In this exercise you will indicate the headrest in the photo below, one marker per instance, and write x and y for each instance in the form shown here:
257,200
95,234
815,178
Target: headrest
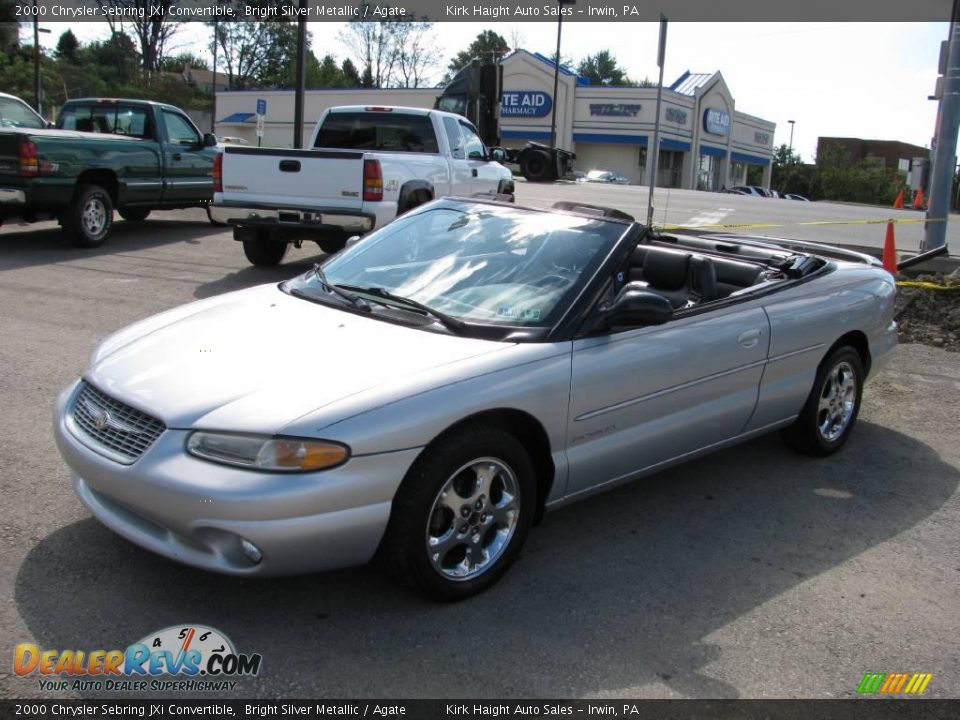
664,269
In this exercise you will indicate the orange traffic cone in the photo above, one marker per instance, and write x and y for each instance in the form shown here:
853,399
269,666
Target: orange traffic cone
890,252
898,203
918,199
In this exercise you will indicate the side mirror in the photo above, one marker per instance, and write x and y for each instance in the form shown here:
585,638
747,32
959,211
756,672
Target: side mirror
498,154
51,125
352,240
634,306
209,139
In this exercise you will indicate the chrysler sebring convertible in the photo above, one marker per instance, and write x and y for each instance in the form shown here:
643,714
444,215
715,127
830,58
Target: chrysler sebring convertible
428,393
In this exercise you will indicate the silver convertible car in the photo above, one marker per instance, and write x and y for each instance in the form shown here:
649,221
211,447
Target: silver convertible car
429,392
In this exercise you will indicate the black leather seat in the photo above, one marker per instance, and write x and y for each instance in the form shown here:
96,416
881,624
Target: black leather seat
678,276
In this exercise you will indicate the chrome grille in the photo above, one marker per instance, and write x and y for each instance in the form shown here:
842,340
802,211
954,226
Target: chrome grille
113,426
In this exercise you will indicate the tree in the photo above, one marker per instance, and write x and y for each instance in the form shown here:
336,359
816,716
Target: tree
257,54
67,47
9,27
373,44
487,46
602,69
417,52
184,60
153,29
350,73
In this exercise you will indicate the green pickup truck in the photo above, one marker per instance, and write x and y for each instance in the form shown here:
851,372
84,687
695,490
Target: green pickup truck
104,154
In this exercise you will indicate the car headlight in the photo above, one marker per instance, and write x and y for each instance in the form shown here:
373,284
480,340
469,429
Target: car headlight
260,452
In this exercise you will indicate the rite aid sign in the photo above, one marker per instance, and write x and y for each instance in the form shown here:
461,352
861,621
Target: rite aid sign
716,121
525,103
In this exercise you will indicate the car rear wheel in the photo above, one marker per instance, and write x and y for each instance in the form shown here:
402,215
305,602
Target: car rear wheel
264,251
134,214
831,409
462,514
89,217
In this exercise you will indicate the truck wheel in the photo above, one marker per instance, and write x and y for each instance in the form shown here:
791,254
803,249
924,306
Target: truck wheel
90,216
264,251
536,167
332,246
134,214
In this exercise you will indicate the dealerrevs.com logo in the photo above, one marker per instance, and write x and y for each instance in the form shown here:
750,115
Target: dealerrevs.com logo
177,658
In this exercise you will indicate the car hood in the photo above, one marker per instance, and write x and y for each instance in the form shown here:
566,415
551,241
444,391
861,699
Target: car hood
258,359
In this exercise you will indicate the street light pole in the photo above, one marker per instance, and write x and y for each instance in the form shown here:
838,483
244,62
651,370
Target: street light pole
556,72
791,135
36,61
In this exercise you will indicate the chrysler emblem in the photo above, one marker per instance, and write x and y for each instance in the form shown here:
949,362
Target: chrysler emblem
102,418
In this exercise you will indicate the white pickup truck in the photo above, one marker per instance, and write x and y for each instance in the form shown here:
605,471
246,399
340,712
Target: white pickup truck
365,166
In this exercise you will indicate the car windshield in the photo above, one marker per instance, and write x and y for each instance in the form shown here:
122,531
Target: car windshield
14,113
478,263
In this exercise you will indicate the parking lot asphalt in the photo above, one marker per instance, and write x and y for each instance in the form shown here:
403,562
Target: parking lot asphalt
750,573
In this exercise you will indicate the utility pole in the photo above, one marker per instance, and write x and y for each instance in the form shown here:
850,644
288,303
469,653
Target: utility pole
791,135
213,112
653,153
948,123
301,62
37,88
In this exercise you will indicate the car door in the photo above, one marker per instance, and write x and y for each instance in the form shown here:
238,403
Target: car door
645,396
484,174
461,176
187,163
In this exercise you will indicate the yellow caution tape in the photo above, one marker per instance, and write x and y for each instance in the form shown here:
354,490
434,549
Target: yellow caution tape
925,285
741,226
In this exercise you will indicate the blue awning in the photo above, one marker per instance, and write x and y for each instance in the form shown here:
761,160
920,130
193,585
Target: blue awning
524,135
238,117
670,144
749,159
711,150
610,139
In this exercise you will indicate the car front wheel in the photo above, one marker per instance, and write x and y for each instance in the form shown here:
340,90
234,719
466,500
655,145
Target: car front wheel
462,514
831,410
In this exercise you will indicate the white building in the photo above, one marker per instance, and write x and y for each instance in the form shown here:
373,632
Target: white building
705,142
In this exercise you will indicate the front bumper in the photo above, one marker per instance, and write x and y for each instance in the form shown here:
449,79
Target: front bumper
198,512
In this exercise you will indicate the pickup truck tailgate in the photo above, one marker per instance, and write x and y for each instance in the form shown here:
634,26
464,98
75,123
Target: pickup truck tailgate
293,178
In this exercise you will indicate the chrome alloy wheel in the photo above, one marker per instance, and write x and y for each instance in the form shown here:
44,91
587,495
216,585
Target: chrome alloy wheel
838,399
473,519
93,216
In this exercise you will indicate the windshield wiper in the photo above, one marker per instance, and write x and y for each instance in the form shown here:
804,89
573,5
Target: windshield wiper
448,321
329,287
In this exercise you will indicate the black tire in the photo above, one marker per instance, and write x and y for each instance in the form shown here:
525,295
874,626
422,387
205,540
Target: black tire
536,167
332,245
823,425
418,511
264,251
89,218
134,214
215,223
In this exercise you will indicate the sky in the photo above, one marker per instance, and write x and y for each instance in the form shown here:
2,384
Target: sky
868,80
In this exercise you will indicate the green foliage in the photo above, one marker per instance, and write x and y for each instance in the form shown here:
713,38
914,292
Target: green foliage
835,177
181,61
67,46
350,73
602,69
486,46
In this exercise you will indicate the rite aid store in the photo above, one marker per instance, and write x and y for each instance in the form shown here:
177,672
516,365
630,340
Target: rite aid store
705,143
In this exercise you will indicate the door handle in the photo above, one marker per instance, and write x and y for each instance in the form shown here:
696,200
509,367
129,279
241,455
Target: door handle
474,172
750,338
289,166
176,156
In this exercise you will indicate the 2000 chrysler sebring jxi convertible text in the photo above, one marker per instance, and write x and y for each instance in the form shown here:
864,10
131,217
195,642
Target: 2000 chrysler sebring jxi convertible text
428,392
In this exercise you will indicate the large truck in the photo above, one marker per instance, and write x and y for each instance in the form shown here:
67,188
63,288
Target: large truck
475,93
